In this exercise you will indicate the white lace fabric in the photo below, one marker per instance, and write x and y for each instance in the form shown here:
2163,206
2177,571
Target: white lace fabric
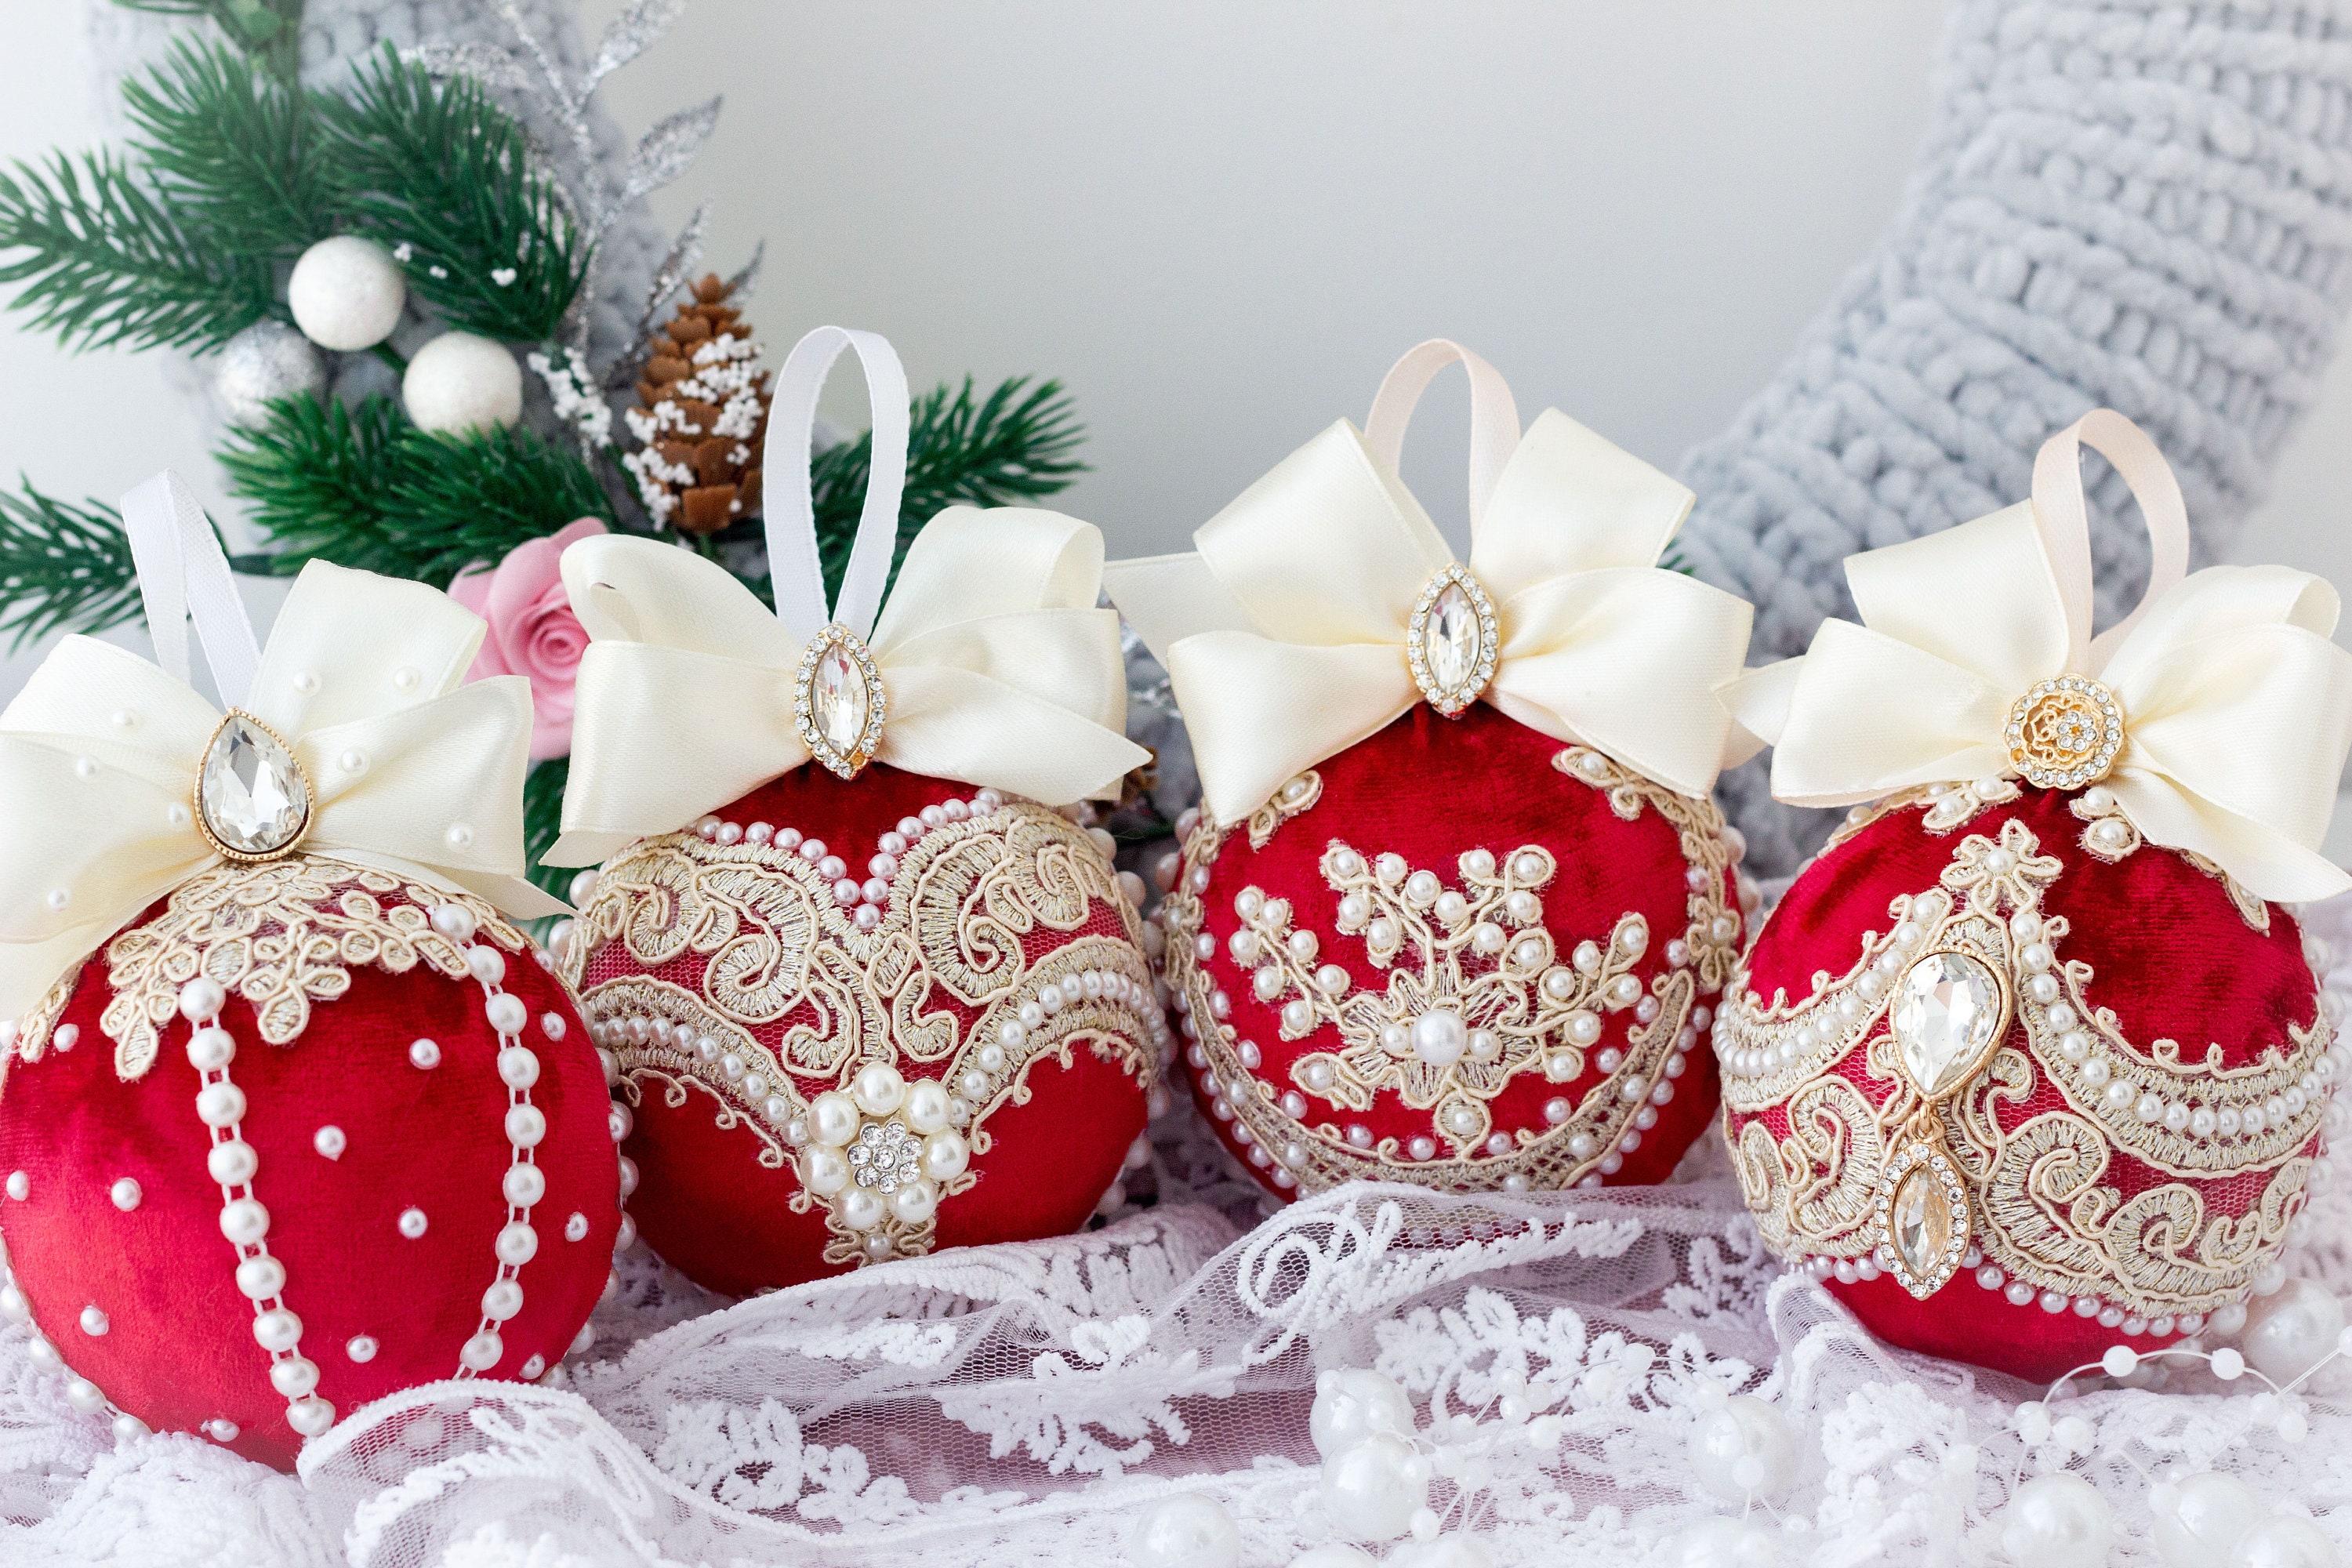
1022,1403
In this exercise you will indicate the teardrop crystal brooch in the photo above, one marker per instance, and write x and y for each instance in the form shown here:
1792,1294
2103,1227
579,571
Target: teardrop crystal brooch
1949,1012
253,800
841,702
1451,644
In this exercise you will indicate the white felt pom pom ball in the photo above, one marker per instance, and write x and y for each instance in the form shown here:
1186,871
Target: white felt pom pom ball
346,293
460,382
269,360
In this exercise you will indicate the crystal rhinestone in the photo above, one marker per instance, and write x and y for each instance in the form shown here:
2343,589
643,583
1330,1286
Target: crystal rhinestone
251,791
1948,1006
1452,639
1920,1216
842,699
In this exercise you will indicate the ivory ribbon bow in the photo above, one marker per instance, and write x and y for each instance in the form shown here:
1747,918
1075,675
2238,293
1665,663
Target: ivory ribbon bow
2237,709
410,770
996,668
1285,635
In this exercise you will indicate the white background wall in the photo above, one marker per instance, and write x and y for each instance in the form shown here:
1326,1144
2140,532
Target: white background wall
1218,220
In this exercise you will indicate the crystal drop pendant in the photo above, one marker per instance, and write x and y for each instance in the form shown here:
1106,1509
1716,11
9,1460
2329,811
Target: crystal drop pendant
1920,1221
1948,1010
251,796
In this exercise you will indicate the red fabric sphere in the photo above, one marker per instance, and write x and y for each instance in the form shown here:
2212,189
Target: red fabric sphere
731,977
2109,1173
1467,935
115,1223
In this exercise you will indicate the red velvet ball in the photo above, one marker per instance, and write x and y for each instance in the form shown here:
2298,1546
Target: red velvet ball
876,1024
382,1137
1460,954
2109,1172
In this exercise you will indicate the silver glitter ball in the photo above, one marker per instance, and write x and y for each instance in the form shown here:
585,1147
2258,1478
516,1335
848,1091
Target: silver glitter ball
268,360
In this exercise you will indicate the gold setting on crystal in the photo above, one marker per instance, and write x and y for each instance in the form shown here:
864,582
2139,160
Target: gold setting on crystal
1452,668
844,759
302,781
2065,733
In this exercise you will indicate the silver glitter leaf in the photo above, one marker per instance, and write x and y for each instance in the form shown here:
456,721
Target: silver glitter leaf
491,66
738,287
663,153
630,35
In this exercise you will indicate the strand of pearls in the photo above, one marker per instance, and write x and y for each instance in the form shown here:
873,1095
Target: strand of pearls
244,1222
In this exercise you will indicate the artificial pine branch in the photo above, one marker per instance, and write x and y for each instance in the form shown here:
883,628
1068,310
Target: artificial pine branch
363,488
444,178
62,567
269,30
233,151
109,263
543,822
1013,447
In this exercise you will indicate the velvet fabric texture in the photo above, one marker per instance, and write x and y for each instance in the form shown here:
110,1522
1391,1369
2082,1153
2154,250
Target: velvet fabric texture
1431,789
177,1348
708,1205
2171,956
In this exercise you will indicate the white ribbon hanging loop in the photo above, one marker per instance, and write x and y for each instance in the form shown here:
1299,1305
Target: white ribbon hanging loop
1285,633
2236,707
997,666
410,770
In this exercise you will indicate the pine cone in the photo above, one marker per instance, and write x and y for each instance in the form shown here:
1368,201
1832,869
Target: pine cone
704,415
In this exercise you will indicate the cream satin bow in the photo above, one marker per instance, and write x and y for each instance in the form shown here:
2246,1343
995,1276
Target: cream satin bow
1288,636
2236,710
994,666
408,769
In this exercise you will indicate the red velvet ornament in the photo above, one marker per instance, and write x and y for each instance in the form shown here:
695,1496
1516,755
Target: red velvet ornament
430,1151
1459,953
826,1007
2113,1188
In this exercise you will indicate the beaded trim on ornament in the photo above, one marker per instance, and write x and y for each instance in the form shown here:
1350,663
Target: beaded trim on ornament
2046,1230
1461,962
791,935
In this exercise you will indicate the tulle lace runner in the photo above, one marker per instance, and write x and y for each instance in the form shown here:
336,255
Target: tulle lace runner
1019,1404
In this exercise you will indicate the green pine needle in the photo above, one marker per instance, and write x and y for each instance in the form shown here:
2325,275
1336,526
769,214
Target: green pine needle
107,263
62,567
543,822
1012,447
438,168
232,151
363,488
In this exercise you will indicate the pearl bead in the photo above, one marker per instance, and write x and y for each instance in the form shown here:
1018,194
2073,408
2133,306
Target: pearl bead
260,1276
516,1244
1350,1406
926,1105
201,999
2283,1540
413,1223
503,1300
424,1054
1745,1448
525,1125
914,1202
277,1330
523,1186
294,1377
2056,1521
824,1170
231,1163
834,1117
2199,1517
84,1396
945,1155
1372,1487
878,1089
210,1050
2291,1329
129,1428
1439,1037
860,1208
455,922
124,1194
481,1352
507,1012
1185,1530
93,1320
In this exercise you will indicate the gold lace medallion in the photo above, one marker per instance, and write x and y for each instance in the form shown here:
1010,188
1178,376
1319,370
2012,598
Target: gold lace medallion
2065,733
840,704
1451,642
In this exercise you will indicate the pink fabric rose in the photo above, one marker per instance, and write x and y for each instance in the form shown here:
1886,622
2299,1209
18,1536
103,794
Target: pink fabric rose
533,632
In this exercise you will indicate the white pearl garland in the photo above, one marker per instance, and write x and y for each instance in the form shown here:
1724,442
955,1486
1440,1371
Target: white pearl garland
244,1222
2057,1520
1185,1530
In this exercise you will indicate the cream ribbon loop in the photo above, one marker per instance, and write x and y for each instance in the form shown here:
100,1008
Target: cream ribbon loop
1286,632
2236,707
410,770
996,666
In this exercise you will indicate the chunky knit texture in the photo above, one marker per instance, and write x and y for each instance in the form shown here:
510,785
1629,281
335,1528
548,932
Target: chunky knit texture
2121,203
